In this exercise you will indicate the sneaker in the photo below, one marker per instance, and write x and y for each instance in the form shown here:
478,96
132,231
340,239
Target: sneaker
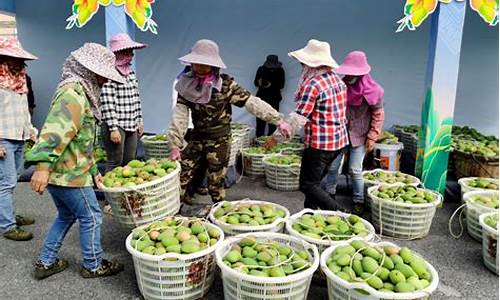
42,271
202,191
358,209
18,234
107,268
24,221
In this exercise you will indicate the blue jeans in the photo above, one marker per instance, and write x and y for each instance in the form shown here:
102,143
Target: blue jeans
356,157
10,166
75,204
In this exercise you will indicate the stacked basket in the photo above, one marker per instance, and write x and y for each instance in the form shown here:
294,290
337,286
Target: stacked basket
244,131
253,164
281,177
157,149
238,285
145,203
236,145
402,219
490,242
173,276
465,185
230,230
474,210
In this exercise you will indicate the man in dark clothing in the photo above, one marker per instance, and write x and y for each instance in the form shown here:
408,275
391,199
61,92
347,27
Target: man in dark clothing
270,79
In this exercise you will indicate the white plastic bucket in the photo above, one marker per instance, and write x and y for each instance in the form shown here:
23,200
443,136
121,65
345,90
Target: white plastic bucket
387,156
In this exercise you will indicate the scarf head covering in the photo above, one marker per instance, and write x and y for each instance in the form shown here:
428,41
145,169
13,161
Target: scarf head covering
364,88
198,89
15,82
74,72
123,63
307,74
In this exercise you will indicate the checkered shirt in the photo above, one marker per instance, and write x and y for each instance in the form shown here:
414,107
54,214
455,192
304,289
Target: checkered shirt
15,118
322,101
121,105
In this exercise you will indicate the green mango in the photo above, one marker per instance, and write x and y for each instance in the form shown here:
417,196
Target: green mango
406,270
233,256
396,276
375,282
369,265
343,260
404,287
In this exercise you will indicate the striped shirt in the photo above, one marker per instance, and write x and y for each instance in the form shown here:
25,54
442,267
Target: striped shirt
323,102
15,120
121,105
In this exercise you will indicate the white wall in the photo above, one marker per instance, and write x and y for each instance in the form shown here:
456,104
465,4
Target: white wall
249,30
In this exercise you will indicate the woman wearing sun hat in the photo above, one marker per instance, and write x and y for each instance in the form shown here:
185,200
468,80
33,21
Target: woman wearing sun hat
365,114
121,106
15,128
64,161
210,94
320,107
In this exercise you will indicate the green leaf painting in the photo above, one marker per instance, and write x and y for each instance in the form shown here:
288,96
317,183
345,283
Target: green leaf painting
434,146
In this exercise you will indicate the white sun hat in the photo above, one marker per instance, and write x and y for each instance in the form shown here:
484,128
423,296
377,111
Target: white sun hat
315,54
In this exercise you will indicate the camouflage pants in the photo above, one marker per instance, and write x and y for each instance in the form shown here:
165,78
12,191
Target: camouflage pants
212,153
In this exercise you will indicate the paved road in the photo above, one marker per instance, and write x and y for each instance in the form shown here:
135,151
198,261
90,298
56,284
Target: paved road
458,262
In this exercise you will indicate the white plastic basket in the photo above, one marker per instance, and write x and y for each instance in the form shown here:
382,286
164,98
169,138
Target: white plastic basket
339,289
464,187
281,177
236,146
254,166
160,199
323,244
155,149
231,230
240,286
369,183
402,220
490,243
474,210
173,276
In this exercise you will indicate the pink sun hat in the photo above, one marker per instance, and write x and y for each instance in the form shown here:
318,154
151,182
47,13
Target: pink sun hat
122,41
355,64
12,47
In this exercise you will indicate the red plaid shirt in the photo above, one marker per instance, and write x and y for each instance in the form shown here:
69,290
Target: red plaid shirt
323,102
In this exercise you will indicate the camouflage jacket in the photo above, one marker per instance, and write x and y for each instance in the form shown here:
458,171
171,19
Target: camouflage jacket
67,139
213,120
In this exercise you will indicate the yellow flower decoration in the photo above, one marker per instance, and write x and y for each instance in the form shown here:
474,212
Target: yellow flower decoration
416,11
140,11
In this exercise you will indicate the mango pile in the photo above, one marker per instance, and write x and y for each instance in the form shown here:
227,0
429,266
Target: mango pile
387,270
388,177
284,159
483,183
405,193
487,201
137,172
269,259
387,138
175,235
333,228
470,141
158,138
248,214
275,149
492,221
412,129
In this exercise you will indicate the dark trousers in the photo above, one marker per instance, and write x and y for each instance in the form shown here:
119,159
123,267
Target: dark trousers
119,154
314,166
261,125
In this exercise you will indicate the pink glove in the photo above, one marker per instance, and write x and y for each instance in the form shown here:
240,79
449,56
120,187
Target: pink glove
285,129
175,154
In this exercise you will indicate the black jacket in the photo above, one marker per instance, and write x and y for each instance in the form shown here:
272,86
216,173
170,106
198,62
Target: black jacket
275,77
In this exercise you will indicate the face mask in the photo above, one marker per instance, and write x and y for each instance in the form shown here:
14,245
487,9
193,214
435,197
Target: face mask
353,80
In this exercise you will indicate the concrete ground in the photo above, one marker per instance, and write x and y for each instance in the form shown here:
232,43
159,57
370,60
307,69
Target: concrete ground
458,262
